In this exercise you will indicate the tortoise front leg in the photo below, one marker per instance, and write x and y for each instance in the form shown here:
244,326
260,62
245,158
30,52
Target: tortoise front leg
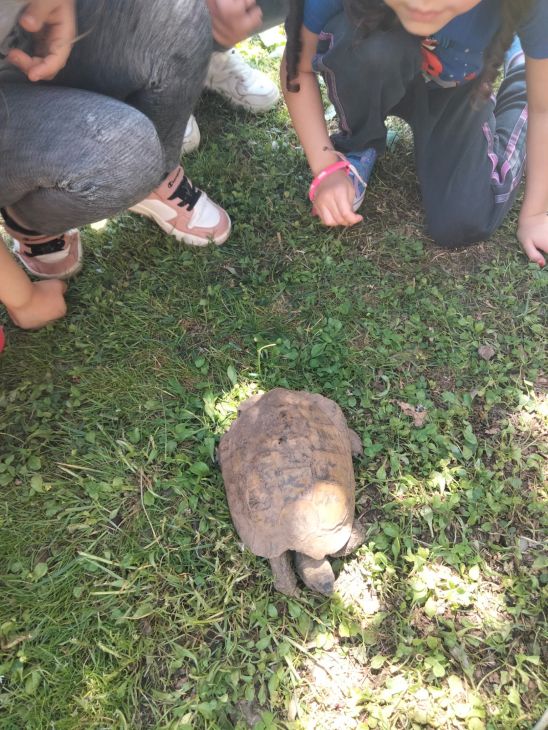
356,445
285,579
316,574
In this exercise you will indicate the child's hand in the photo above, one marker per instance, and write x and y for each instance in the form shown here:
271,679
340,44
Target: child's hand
234,20
54,23
45,305
334,199
533,236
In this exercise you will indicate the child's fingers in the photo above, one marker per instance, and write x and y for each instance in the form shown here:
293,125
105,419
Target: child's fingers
337,212
336,217
334,214
354,218
31,21
35,67
56,23
47,68
533,252
21,60
56,286
38,68
36,13
326,216
346,215
349,217
334,200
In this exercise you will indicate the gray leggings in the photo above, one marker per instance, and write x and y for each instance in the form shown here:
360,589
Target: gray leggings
110,127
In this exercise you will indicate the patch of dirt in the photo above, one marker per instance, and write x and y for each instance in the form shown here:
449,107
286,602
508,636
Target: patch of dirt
441,380
466,260
334,682
249,712
541,384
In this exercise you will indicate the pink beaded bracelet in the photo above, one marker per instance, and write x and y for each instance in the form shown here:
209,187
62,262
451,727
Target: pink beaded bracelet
329,170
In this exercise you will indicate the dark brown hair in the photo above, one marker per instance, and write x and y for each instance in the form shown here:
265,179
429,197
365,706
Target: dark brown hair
370,15
513,13
293,48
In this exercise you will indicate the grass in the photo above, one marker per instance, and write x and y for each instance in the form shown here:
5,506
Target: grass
127,600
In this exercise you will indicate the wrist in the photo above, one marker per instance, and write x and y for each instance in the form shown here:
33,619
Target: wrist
320,161
531,213
15,286
18,300
535,202
323,174
19,296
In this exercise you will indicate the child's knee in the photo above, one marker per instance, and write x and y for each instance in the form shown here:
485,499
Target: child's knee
458,229
122,158
143,159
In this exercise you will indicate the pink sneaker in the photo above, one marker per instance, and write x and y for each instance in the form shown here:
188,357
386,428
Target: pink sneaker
185,212
47,257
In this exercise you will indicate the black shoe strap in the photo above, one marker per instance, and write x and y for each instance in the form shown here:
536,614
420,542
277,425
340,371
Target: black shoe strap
15,226
41,249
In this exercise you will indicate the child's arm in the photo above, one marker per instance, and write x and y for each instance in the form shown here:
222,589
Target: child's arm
54,23
30,305
335,194
533,218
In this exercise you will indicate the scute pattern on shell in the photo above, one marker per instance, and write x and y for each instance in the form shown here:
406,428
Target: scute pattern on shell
287,468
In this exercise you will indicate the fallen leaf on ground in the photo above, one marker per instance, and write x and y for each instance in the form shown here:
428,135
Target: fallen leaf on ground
419,414
486,352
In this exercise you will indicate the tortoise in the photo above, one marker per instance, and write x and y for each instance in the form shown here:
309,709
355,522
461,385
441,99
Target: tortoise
286,462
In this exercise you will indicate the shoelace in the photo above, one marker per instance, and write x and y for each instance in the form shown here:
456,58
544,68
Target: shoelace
40,249
187,193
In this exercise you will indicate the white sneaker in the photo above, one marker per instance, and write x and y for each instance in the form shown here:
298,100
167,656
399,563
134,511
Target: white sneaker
244,86
191,140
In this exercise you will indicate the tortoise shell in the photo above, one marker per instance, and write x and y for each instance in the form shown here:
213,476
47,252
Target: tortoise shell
287,467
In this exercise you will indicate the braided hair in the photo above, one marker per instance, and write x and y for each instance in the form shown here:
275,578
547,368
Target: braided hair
367,16
293,48
513,13
370,15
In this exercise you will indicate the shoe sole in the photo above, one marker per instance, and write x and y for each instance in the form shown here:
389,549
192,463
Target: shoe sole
357,204
190,146
187,238
76,269
192,142
267,106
